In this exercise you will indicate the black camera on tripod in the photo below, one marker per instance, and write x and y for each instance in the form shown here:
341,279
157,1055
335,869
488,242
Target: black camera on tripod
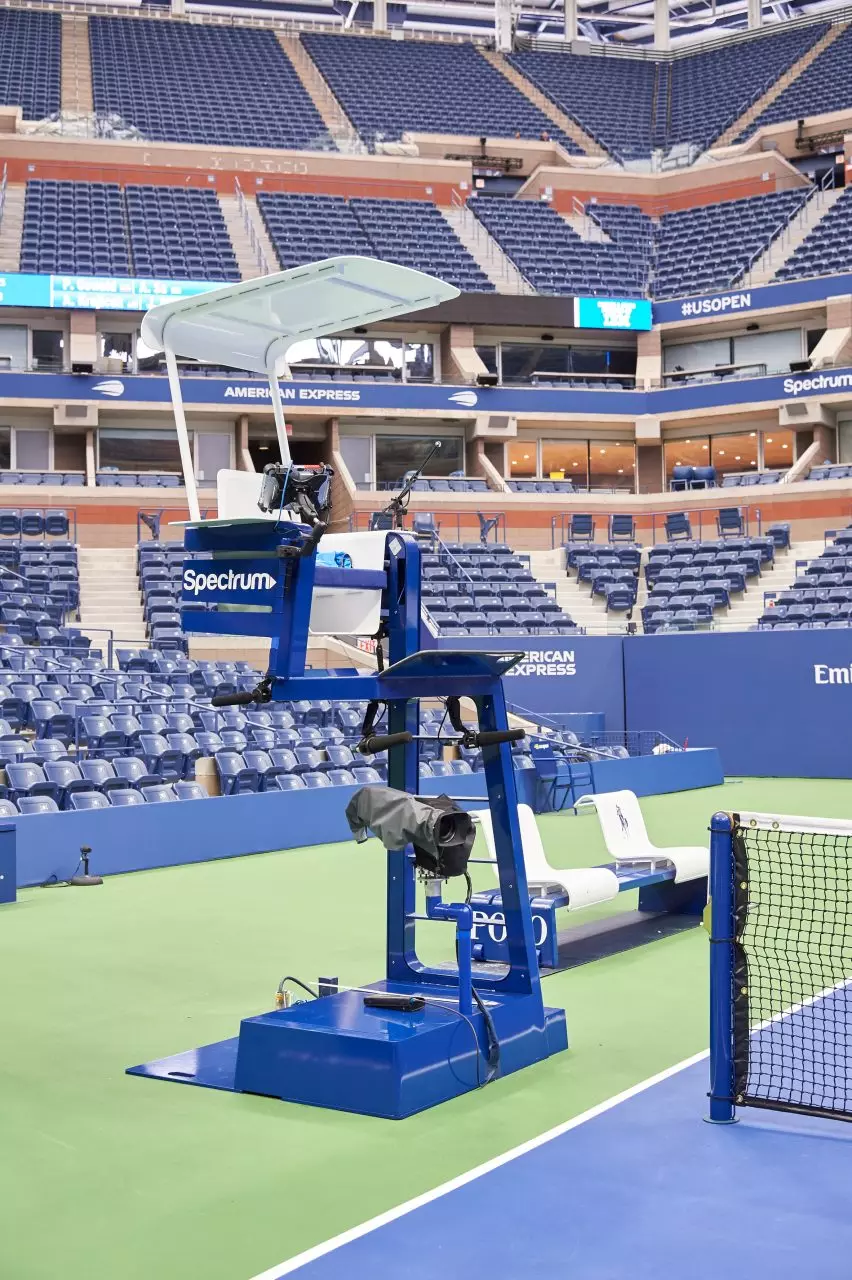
303,491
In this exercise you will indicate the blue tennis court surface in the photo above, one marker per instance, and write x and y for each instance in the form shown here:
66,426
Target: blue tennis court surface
642,1189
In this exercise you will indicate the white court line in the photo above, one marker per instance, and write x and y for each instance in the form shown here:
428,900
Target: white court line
391,1215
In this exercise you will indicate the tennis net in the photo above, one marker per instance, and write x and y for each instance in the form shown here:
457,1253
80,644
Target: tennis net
788,947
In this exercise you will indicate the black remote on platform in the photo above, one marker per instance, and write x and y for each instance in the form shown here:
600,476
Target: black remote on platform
403,1004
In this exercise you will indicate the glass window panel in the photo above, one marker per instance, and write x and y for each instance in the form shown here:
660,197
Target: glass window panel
523,459
734,453
48,346
774,350
488,356
697,355
147,360
419,362
521,362
622,361
130,450
612,464
32,450
379,353
779,449
118,347
5,448
356,452
694,452
589,360
14,346
397,454
565,460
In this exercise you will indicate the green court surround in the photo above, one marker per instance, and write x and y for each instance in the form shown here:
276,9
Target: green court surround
108,1177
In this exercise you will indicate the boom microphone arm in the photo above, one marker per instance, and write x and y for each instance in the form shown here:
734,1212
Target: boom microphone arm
399,503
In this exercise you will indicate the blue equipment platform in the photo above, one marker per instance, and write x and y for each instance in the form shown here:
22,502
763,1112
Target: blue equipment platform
334,1052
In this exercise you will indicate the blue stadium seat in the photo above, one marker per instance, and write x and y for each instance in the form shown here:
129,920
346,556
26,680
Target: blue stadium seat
125,797
236,87
30,804
88,800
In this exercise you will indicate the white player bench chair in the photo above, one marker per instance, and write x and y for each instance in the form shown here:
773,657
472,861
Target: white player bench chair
584,886
628,843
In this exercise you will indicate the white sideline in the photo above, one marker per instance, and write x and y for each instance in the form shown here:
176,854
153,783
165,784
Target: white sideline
391,1215
382,1219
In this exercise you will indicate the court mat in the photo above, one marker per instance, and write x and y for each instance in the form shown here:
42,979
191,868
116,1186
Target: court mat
104,1175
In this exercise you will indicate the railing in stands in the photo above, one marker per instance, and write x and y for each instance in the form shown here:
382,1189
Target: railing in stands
648,53
484,525
251,230
448,556
597,743
706,518
151,520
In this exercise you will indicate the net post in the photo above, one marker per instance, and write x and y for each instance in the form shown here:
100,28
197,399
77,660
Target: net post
722,928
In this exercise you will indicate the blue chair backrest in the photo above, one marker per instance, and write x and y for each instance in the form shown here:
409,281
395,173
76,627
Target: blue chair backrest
122,797
158,795
290,782
131,768
37,804
88,800
190,791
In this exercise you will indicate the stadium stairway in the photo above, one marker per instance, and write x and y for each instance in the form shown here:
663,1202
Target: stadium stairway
486,252
250,262
573,598
544,104
766,99
586,228
76,84
745,609
109,594
12,226
794,234
340,127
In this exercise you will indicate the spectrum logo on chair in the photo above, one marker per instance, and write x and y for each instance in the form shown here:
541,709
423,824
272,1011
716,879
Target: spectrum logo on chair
195,583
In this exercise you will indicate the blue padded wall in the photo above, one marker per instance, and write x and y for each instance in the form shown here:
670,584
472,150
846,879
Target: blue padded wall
751,694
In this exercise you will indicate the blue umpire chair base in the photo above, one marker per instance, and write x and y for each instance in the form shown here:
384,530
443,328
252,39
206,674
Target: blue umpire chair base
336,1053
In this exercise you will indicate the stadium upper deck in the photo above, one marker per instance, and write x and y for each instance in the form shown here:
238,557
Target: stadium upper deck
578,407
241,85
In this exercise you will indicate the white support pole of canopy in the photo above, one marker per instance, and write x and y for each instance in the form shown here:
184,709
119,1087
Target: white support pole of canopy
280,424
183,436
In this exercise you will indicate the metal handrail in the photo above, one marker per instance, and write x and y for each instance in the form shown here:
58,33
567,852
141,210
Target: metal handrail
360,520
144,517
711,513
620,50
